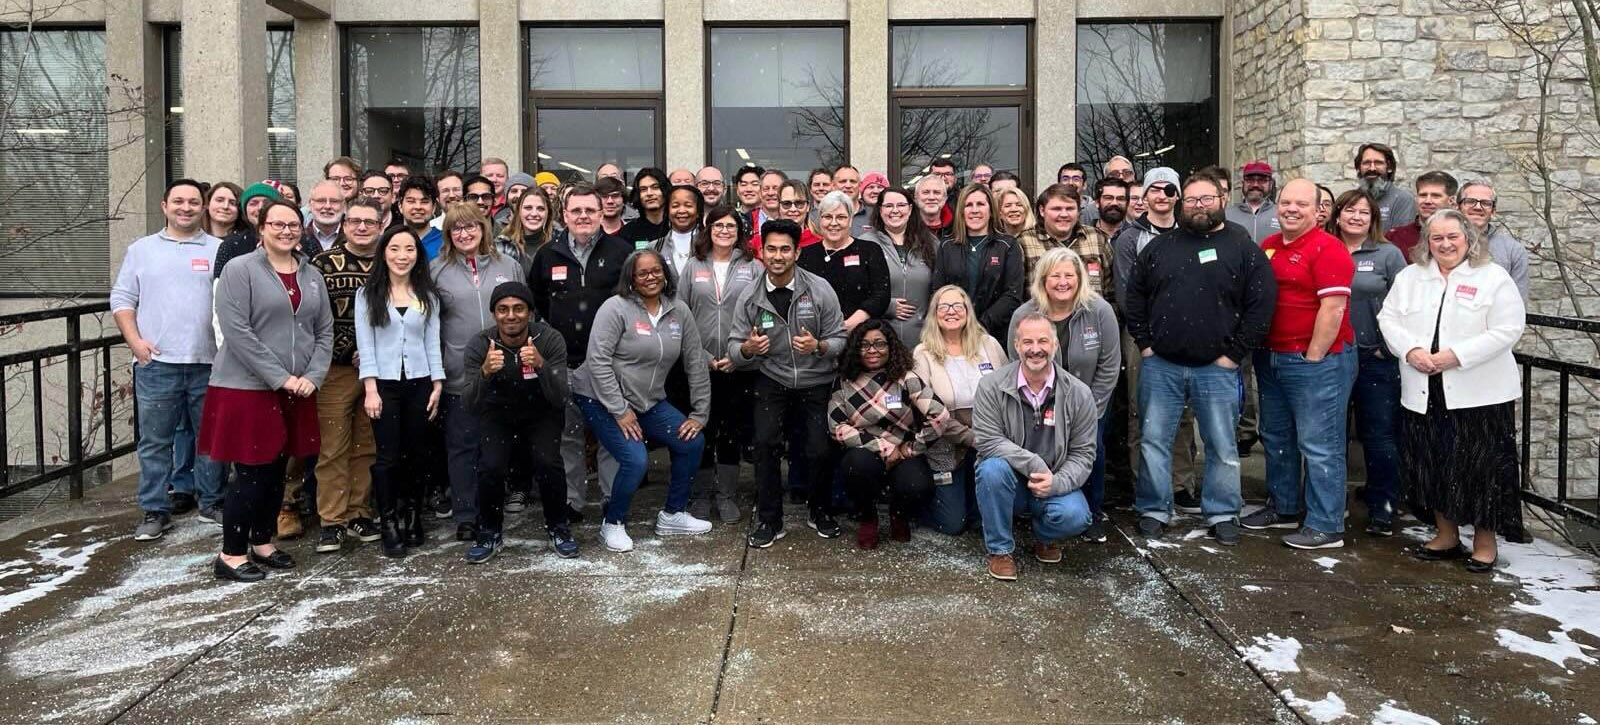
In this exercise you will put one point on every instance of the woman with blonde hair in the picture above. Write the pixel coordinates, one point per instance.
(954, 354)
(1016, 218)
(1089, 349)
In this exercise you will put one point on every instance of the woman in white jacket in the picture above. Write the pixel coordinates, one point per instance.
(1452, 318)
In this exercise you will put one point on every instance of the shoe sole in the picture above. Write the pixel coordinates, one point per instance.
(329, 548)
(681, 532)
(998, 577)
(769, 544)
(563, 554)
(484, 559)
(826, 535)
(146, 537)
(1056, 560)
(369, 539)
(1289, 525)
(1224, 542)
(514, 509)
(618, 551)
(1312, 547)
(208, 520)
(443, 514)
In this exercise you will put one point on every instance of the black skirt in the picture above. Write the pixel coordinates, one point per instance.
(1463, 463)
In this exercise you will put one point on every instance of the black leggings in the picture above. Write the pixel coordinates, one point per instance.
(500, 444)
(401, 434)
(250, 512)
(732, 416)
(910, 482)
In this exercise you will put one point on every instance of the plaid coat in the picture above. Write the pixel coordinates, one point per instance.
(870, 409)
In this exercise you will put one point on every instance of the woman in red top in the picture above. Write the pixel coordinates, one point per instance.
(794, 204)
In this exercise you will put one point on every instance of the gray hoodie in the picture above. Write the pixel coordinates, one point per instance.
(1091, 349)
(630, 356)
(464, 301)
(714, 303)
(1001, 420)
(265, 339)
(815, 307)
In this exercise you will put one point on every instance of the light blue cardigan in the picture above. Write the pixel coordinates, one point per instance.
(410, 341)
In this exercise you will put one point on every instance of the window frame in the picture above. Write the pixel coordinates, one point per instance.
(537, 100)
(344, 78)
(710, 110)
(968, 96)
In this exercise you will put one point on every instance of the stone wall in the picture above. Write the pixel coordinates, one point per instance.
(1449, 87)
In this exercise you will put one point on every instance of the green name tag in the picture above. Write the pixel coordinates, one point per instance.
(1208, 255)
(766, 321)
(641, 244)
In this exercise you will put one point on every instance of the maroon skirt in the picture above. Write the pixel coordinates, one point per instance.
(255, 427)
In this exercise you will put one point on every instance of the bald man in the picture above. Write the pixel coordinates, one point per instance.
(680, 177)
(712, 187)
(1305, 374)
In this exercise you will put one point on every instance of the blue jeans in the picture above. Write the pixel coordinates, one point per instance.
(183, 442)
(1376, 398)
(954, 506)
(168, 396)
(1303, 408)
(1214, 393)
(462, 439)
(659, 424)
(1094, 489)
(1002, 495)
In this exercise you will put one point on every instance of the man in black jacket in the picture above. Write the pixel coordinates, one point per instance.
(571, 277)
(517, 386)
(1199, 299)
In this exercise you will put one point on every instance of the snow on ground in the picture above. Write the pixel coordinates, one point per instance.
(1273, 653)
(1389, 714)
(54, 568)
(1328, 709)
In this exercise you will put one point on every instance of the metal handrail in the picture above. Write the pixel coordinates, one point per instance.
(1565, 371)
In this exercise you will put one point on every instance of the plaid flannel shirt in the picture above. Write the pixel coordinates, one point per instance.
(868, 410)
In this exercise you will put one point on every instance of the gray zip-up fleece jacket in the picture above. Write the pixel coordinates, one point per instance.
(464, 304)
(265, 340)
(1001, 419)
(815, 307)
(629, 357)
(713, 303)
(1091, 351)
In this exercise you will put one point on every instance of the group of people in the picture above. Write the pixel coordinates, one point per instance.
(396, 348)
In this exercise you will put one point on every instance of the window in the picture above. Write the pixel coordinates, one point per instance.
(281, 147)
(54, 211)
(594, 97)
(961, 92)
(777, 98)
(412, 93)
(1148, 91)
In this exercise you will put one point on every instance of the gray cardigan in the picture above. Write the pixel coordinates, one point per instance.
(1001, 420)
(1091, 350)
(265, 340)
(465, 309)
(409, 343)
(629, 357)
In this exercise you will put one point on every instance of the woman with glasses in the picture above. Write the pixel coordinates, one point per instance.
(261, 405)
(1089, 350)
(982, 260)
(465, 275)
(711, 283)
(908, 248)
(794, 204)
(884, 416)
(953, 355)
(639, 334)
(854, 268)
(1324, 205)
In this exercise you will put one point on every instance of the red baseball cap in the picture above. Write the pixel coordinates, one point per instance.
(1256, 168)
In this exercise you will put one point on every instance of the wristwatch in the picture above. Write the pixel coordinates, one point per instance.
(818, 349)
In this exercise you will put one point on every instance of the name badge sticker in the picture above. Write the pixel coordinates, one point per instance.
(641, 327)
(1208, 256)
(199, 265)
(994, 261)
(1050, 417)
(892, 402)
(702, 276)
(1094, 269)
(640, 244)
(1366, 266)
(1466, 292)
(1091, 337)
(766, 321)
(986, 367)
(675, 329)
(558, 274)
(853, 260)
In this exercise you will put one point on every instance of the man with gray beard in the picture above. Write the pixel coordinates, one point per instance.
(1375, 166)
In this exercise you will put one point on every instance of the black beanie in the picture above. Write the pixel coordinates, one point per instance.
(511, 289)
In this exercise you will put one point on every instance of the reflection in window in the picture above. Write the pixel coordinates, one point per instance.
(594, 59)
(966, 136)
(53, 173)
(281, 146)
(777, 98)
(412, 93)
(960, 93)
(951, 56)
(572, 143)
(596, 98)
(1147, 91)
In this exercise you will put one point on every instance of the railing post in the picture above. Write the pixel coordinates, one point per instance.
(75, 405)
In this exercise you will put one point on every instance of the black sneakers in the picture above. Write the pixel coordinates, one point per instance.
(1225, 532)
(824, 525)
(764, 534)
(331, 539)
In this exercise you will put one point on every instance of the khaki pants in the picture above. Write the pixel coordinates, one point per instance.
(344, 468)
(1185, 456)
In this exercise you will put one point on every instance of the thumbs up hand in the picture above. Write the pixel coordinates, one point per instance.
(756, 344)
(804, 343)
(530, 357)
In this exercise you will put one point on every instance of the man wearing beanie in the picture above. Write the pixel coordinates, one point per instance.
(516, 383)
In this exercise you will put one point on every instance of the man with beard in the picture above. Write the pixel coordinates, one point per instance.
(1435, 190)
(1034, 430)
(931, 204)
(1059, 227)
(709, 182)
(1305, 375)
(1111, 198)
(1257, 213)
(1191, 352)
(1477, 201)
(1375, 166)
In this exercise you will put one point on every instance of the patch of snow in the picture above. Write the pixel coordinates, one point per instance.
(1252, 588)
(1388, 714)
(1194, 534)
(1584, 719)
(72, 564)
(1559, 649)
(1273, 653)
(1159, 544)
(1327, 709)
(1209, 550)
(1326, 562)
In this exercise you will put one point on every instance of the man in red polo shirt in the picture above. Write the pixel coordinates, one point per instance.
(1305, 375)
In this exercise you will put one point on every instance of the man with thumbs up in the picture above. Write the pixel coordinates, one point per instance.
(790, 328)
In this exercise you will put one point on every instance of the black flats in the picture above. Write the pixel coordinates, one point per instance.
(1423, 553)
(246, 572)
(278, 559)
(1481, 567)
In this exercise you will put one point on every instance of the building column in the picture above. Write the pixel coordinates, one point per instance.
(135, 142)
(683, 44)
(868, 104)
(500, 87)
(225, 89)
(1055, 103)
(318, 109)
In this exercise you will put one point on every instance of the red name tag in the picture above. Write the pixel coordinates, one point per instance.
(1466, 292)
(199, 265)
(1050, 417)
(702, 276)
(1094, 269)
(994, 261)
(642, 328)
(558, 274)
(852, 261)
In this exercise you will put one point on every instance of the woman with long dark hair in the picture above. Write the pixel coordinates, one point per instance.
(908, 248)
(223, 214)
(885, 417)
(397, 336)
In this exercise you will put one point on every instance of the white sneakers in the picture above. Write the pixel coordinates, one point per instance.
(680, 524)
(615, 537)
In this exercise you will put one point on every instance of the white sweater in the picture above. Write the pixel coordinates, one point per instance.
(1482, 320)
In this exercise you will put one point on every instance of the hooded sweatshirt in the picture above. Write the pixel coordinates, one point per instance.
(630, 356)
(507, 395)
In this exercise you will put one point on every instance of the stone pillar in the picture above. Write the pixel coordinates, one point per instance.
(318, 109)
(135, 142)
(500, 89)
(225, 89)
(683, 44)
(1055, 104)
(869, 86)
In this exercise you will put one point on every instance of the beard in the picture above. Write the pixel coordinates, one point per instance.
(1375, 186)
(1113, 214)
(1201, 221)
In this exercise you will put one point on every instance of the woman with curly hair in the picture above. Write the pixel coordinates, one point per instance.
(884, 417)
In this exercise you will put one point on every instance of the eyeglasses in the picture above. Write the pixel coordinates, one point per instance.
(324, 200)
(359, 223)
(1479, 203)
(460, 230)
(280, 226)
(649, 273)
(583, 211)
(944, 307)
(481, 197)
(982, 177)
(724, 227)
(374, 190)
(875, 345)
(1124, 174)
(1206, 200)
(1109, 199)
(343, 179)
(793, 204)
(709, 184)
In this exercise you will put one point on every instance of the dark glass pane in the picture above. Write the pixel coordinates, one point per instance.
(594, 59)
(53, 186)
(1147, 91)
(173, 61)
(573, 142)
(950, 56)
(413, 94)
(967, 136)
(281, 150)
(777, 98)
